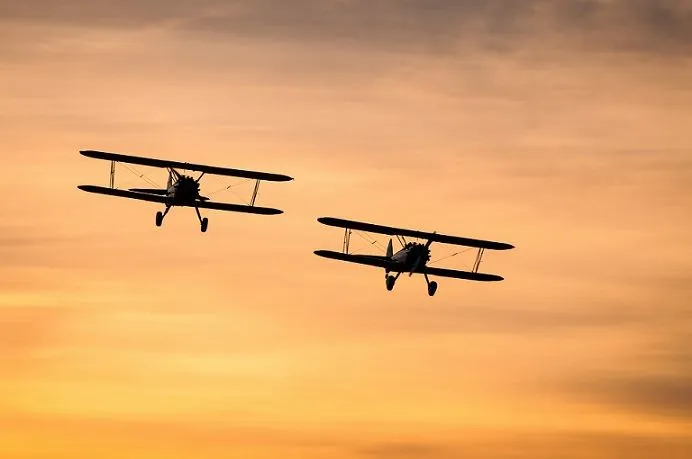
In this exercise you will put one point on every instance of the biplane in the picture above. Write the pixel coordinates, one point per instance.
(182, 190)
(413, 257)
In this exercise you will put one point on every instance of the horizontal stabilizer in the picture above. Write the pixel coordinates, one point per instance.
(369, 260)
(150, 191)
(122, 193)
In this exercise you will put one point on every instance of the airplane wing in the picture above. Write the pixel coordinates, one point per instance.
(442, 272)
(123, 193)
(370, 260)
(162, 199)
(392, 231)
(237, 208)
(384, 262)
(150, 190)
(215, 170)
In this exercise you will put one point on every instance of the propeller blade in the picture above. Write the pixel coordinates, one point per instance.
(174, 173)
(420, 261)
(430, 241)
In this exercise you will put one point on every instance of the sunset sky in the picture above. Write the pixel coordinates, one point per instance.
(563, 127)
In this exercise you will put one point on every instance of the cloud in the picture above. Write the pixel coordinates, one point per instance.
(569, 445)
(659, 383)
(410, 450)
(658, 26)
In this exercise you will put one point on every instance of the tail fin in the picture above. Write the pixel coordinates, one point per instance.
(390, 254)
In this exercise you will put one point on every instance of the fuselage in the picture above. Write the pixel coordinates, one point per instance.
(409, 255)
(185, 190)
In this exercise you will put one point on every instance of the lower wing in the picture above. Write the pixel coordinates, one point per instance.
(386, 263)
(228, 207)
(123, 193)
(162, 199)
(442, 272)
(369, 260)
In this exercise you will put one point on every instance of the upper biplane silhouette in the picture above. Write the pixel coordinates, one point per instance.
(182, 190)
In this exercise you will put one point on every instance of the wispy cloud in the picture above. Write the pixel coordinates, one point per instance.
(438, 26)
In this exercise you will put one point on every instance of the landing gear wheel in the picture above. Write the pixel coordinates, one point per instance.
(205, 223)
(159, 218)
(390, 282)
(432, 288)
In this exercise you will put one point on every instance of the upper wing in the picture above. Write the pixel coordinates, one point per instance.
(392, 231)
(123, 193)
(442, 272)
(370, 260)
(237, 208)
(189, 166)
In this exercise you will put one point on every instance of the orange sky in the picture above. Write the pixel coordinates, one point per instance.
(561, 127)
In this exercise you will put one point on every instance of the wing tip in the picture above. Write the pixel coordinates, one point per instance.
(91, 153)
(330, 221)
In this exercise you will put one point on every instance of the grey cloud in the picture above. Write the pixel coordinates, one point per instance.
(444, 25)
(666, 395)
(465, 318)
(568, 445)
(663, 26)
(396, 450)
(662, 387)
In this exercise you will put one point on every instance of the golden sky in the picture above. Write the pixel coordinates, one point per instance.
(562, 127)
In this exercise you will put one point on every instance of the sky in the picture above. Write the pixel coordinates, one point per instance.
(561, 127)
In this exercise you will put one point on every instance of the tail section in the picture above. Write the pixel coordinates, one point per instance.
(390, 254)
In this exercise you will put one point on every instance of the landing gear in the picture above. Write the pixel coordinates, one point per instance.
(432, 288)
(160, 216)
(390, 280)
(432, 285)
(204, 222)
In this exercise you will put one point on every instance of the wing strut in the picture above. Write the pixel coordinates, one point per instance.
(112, 182)
(254, 193)
(479, 258)
(347, 240)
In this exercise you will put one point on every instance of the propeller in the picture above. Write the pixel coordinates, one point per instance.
(421, 257)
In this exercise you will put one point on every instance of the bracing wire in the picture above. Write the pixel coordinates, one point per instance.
(450, 256)
(141, 175)
(230, 188)
(369, 240)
